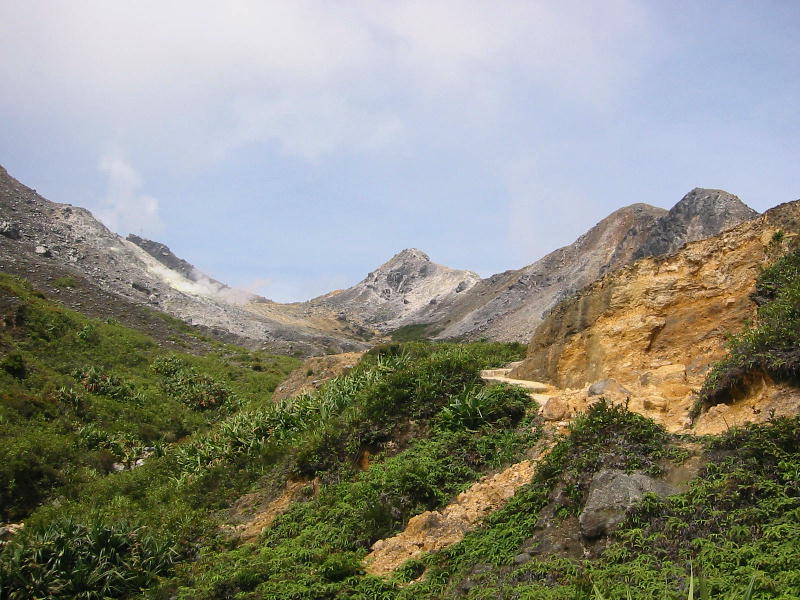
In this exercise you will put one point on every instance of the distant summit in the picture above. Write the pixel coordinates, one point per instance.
(408, 288)
(37, 235)
(509, 306)
(700, 214)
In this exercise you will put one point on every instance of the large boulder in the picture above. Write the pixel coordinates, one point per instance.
(611, 495)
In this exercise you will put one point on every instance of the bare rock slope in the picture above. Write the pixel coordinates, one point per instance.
(509, 306)
(655, 327)
(42, 235)
(407, 289)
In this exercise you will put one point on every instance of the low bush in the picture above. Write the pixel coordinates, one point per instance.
(94, 560)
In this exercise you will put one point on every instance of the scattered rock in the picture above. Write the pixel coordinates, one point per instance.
(607, 387)
(556, 409)
(522, 558)
(654, 403)
(10, 230)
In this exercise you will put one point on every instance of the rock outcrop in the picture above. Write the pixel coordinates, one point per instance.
(658, 325)
(700, 214)
(166, 257)
(612, 494)
(510, 305)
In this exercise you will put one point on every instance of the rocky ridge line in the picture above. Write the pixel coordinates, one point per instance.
(509, 306)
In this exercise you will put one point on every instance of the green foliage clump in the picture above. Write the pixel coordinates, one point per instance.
(14, 364)
(95, 381)
(65, 282)
(183, 382)
(94, 560)
(485, 406)
(772, 344)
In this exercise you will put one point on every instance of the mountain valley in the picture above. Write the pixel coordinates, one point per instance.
(620, 418)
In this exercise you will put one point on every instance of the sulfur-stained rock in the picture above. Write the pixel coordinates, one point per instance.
(657, 325)
(556, 409)
(654, 403)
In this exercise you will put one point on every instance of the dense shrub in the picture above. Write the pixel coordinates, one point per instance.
(14, 364)
(485, 406)
(94, 560)
(184, 383)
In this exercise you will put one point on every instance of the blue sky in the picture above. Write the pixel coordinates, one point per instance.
(291, 147)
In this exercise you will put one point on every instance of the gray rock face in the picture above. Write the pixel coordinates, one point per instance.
(510, 305)
(700, 214)
(408, 288)
(611, 495)
(165, 256)
(73, 239)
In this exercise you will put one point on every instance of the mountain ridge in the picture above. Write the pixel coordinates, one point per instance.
(407, 290)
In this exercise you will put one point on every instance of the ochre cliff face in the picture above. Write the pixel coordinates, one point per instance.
(657, 325)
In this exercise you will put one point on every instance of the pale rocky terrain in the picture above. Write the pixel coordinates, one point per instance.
(433, 530)
(42, 236)
(407, 289)
(39, 235)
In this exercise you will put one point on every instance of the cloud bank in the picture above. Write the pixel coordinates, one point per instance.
(199, 79)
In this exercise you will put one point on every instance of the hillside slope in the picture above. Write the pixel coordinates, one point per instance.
(406, 289)
(658, 325)
(508, 306)
(37, 235)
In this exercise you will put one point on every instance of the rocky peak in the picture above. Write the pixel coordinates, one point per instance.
(409, 287)
(164, 255)
(700, 214)
(409, 254)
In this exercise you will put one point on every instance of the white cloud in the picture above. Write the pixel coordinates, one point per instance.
(124, 208)
(194, 80)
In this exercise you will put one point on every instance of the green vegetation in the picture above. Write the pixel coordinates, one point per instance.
(65, 282)
(79, 396)
(387, 406)
(772, 344)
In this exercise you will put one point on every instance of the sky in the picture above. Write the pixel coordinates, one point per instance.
(291, 147)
